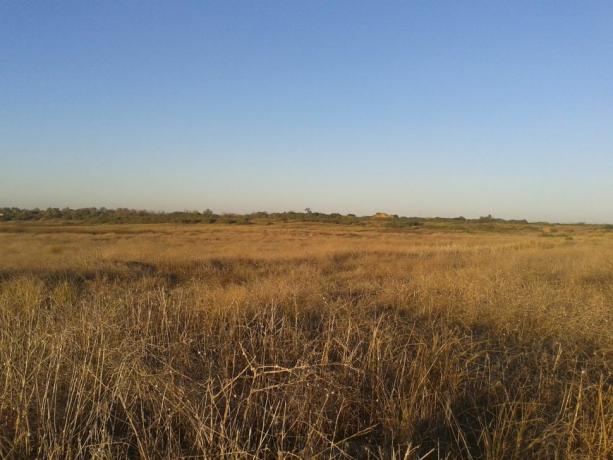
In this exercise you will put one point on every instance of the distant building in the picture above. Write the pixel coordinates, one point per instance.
(382, 215)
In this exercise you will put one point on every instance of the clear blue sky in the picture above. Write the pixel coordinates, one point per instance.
(414, 107)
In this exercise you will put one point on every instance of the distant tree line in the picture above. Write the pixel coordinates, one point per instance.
(120, 215)
(134, 216)
(124, 215)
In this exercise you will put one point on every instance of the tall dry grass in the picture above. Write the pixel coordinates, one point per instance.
(304, 341)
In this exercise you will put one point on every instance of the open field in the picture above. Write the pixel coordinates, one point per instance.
(305, 340)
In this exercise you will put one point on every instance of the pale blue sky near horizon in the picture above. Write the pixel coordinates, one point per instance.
(417, 108)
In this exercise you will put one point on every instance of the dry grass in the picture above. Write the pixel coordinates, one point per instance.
(304, 341)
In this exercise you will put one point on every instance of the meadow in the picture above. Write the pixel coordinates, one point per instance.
(305, 340)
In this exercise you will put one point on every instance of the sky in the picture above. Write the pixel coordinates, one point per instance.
(417, 108)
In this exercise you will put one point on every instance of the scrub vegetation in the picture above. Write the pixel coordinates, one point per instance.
(450, 339)
(135, 216)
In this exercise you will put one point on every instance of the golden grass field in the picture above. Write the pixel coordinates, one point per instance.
(304, 341)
